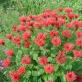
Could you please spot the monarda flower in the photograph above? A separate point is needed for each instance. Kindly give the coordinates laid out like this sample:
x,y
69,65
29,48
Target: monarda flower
x,y
71,16
61,57
79,34
21,28
79,78
66,33
79,42
43,60
14,76
16,40
2,42
6,62
70,76
77,53
9,52
37,24
53,33
56,41
68,10
41,36
70,25
26,60
26,35
49,68
21,70
39,42
23,19
9,36
27,44
68,46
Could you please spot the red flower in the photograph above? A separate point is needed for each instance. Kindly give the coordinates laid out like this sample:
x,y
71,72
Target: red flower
x,y
79,78
53,33
68,46
22,19
39,42
41,36
61,58
77,53
43,60
22,28
79,34
26,60
21,70
80,24
9,36
68,10
79,42
66,33
16,40
14,76
26,35
76,23
70,25
70,76
56,41
2,42
40,39
9,52
6,62
37,24
27,44
71,15
49,68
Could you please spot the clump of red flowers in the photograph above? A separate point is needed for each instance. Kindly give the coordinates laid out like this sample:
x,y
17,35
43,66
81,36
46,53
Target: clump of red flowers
x,y
42,45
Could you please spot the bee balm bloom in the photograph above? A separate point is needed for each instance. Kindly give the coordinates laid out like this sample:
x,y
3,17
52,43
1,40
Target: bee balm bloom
x,y
26,60
9,52
56,41
6,62
21,70
71,76
49,68
61,58
68,46
43,60
14,76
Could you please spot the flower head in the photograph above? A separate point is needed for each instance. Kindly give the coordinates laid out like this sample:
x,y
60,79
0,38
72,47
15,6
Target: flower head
x,y
70,76
49,68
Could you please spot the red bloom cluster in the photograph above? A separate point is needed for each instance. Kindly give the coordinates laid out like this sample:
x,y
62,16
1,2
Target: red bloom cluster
x,y
53,37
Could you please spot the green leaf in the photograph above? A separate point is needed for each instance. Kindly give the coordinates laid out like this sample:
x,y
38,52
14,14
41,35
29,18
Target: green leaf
x,y
18,57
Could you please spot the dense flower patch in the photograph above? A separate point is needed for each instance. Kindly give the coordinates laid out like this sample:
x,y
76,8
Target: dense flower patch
x,y
44,47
